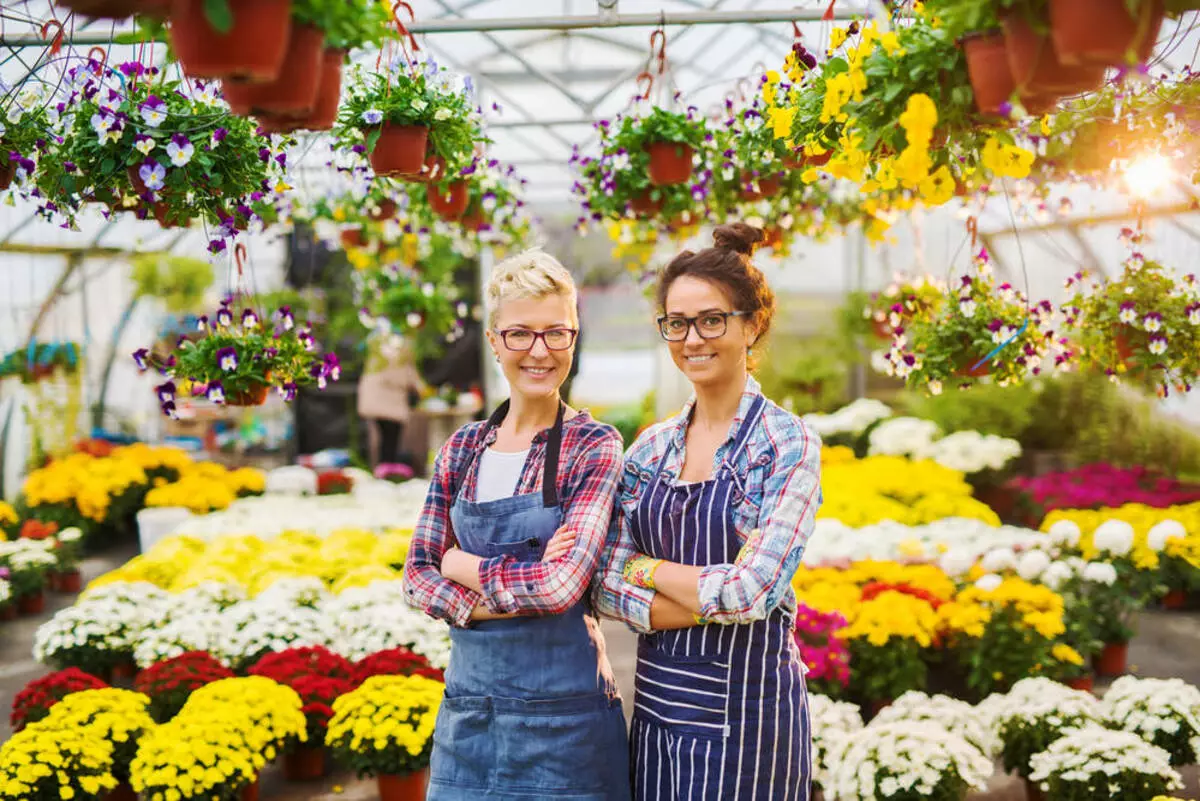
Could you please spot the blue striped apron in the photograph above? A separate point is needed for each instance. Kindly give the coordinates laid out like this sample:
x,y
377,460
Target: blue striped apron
x,y
720,711
527,713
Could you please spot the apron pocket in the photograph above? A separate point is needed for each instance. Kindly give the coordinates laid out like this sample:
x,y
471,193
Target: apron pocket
x,y
689,694
562,748
529,549
463,752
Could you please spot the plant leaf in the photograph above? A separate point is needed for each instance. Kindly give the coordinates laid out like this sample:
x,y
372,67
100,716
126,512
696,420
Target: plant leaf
x,y
219,15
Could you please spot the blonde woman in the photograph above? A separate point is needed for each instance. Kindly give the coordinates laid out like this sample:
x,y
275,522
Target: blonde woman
x,y
505,549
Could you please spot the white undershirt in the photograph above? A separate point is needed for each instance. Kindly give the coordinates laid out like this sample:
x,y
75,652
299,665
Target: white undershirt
x,y
498,474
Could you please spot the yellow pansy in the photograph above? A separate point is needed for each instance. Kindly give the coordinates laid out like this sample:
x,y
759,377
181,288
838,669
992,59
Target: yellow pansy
x,y
938,188
1007,161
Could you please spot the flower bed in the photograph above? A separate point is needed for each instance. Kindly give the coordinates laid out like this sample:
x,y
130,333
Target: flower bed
x,y
1097,486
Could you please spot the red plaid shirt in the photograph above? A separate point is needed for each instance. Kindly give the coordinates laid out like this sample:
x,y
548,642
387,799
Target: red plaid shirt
x,y
589,469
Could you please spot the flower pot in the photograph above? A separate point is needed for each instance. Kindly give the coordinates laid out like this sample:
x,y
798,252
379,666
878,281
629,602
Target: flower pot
x,y
8,612
252,50
170,218
988,70
1036,67
1104,32
386,210
353,238
1033,792
1112,660
1086,683
277,123
69,581
8,169
250,791
409,787
117,9
802,161
970,367
449,202
473,220
1175,599
123,671
33,604
123,792
304,763
294,92
768,186
644,205
1036,104
253,395
329,93
1124,348
670,163
400,150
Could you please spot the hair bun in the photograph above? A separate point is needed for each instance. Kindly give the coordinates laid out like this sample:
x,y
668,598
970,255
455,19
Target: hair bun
x,y
738,237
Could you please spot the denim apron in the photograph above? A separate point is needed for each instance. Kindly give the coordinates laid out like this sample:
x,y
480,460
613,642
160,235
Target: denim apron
x,y
720,711
527,713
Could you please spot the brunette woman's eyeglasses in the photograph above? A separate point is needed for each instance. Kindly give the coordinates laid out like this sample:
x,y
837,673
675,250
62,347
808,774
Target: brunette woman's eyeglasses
x,y
522,339
710,325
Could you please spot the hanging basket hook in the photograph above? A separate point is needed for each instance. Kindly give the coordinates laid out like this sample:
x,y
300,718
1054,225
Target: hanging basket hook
x,y
239,258
56,42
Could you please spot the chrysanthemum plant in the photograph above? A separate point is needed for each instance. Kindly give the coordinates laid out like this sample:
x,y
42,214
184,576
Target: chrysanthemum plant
x,y
1142,327
385,727
160,148
617,184
81,758
169,683
120,716
1028,727
979,330
236,359
418,106
1094,763
1163,712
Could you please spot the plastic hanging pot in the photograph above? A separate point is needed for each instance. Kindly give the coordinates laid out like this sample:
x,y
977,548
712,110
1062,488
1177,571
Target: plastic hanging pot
x,y
762,186
1036,104
449,201
117,9
988,70
329,92
170,218
645,204
400,149
802,161
670,163
353,238
1035,64
252,50
1105,32
252,395
294,92
385,211
8,171
971,368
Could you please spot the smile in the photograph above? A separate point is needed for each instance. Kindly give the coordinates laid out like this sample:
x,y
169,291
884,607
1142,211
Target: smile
x,y
700,359
539,371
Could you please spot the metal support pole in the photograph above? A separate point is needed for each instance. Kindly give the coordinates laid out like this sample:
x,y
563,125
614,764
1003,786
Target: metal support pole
x,y
564,23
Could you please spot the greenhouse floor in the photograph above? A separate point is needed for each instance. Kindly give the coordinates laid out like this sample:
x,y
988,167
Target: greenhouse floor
x,y
1166,646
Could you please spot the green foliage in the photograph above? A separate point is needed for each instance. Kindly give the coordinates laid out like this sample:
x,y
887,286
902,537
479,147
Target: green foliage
x,y
1008,650
179,281
960,17
809,374
347,24
884,673
987,408
1023,737
661,125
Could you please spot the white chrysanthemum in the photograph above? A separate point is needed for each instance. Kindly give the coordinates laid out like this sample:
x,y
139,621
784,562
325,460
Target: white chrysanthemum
x,y
971,452
307,591
200,631
1057,574
903,436
1114,537
255,629
1162,531
1099,573
395,625
955,716
1039,703
831,721
913,757
1112,765
853,419
1032,564
1163,712
998,560
1065,533
988,582
103,624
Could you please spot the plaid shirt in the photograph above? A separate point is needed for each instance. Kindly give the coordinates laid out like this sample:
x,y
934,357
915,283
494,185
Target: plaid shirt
x,y
779,470
589,469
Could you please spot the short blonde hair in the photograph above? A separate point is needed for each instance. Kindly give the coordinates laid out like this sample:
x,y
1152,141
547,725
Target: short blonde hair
x,y
531,274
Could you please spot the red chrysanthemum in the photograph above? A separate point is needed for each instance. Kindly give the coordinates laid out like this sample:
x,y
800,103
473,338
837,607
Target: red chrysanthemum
x,y
395,662
34,701
170,682
288,665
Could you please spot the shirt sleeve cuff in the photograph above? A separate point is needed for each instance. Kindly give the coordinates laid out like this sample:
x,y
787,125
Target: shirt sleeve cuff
x,y
496,595
708,590
635,603
464,605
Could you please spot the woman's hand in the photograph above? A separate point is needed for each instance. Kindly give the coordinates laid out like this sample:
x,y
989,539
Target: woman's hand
x,y
559,545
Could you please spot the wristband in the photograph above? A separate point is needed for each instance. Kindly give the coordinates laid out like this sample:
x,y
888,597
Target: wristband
x,y
700,621
639,571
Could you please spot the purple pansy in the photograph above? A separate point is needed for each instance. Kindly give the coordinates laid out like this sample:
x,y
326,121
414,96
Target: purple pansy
x,y
227,359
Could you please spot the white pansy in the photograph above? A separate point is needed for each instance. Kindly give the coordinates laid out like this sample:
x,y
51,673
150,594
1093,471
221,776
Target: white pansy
x,y
1162,531
1114,537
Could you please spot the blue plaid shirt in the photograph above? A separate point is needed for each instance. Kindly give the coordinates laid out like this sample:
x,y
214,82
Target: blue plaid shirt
x,y
780,469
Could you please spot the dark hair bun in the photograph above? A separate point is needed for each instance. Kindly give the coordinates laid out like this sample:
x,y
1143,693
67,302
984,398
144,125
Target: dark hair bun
x,y
738,237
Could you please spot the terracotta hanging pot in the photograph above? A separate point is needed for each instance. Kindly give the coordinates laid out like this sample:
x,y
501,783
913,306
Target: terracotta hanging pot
x,y
385,210
971,368
253,395
1036,104
434,169
400,149
170,218
252,50
409,787
449,202
303,764
1036,67
32,604
802,160
645,204
117,9
1104,32
670,163
353,238
474,219
294,92
988,70
768,186
277,123
1112,659
8,169
329,93
1125,348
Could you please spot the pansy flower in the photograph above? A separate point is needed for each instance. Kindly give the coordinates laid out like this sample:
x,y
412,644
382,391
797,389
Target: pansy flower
x,y
249,319
305,339
1158,344
372,116
144,144
333,367
153,175
224,317
180,150
227,359
153,111
285,318
140,358
288,391
1128,313
165,392
215,392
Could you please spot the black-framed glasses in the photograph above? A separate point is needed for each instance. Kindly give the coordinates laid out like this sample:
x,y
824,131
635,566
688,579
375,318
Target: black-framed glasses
x,y
709,325
522,339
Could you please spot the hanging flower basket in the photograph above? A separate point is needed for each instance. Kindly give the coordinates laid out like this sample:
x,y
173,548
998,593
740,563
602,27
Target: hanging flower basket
x,y
989,71
252,395
252,49
448,201
1036,104
1105,32
763,186
400,150
670,163
645,204
329,93
385,210
1036,67
294,91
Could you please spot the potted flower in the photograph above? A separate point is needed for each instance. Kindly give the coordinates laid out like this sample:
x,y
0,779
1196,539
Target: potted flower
x,y
36,699
1163,712
82,760
1094,763
227,766
955,716
410,115
904,300
169,683
290,664
1143,326
831,721
396,753
246,40
1034,714
238,360
980,329
748,159
905,761
96,635
976,28
1179,574
886,645
119,716
411,302
67,548
25,133
1105,32
822,650
28,562
394,662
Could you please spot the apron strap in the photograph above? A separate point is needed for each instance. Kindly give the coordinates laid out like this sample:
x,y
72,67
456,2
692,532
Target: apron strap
x,y
553,446
747,428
